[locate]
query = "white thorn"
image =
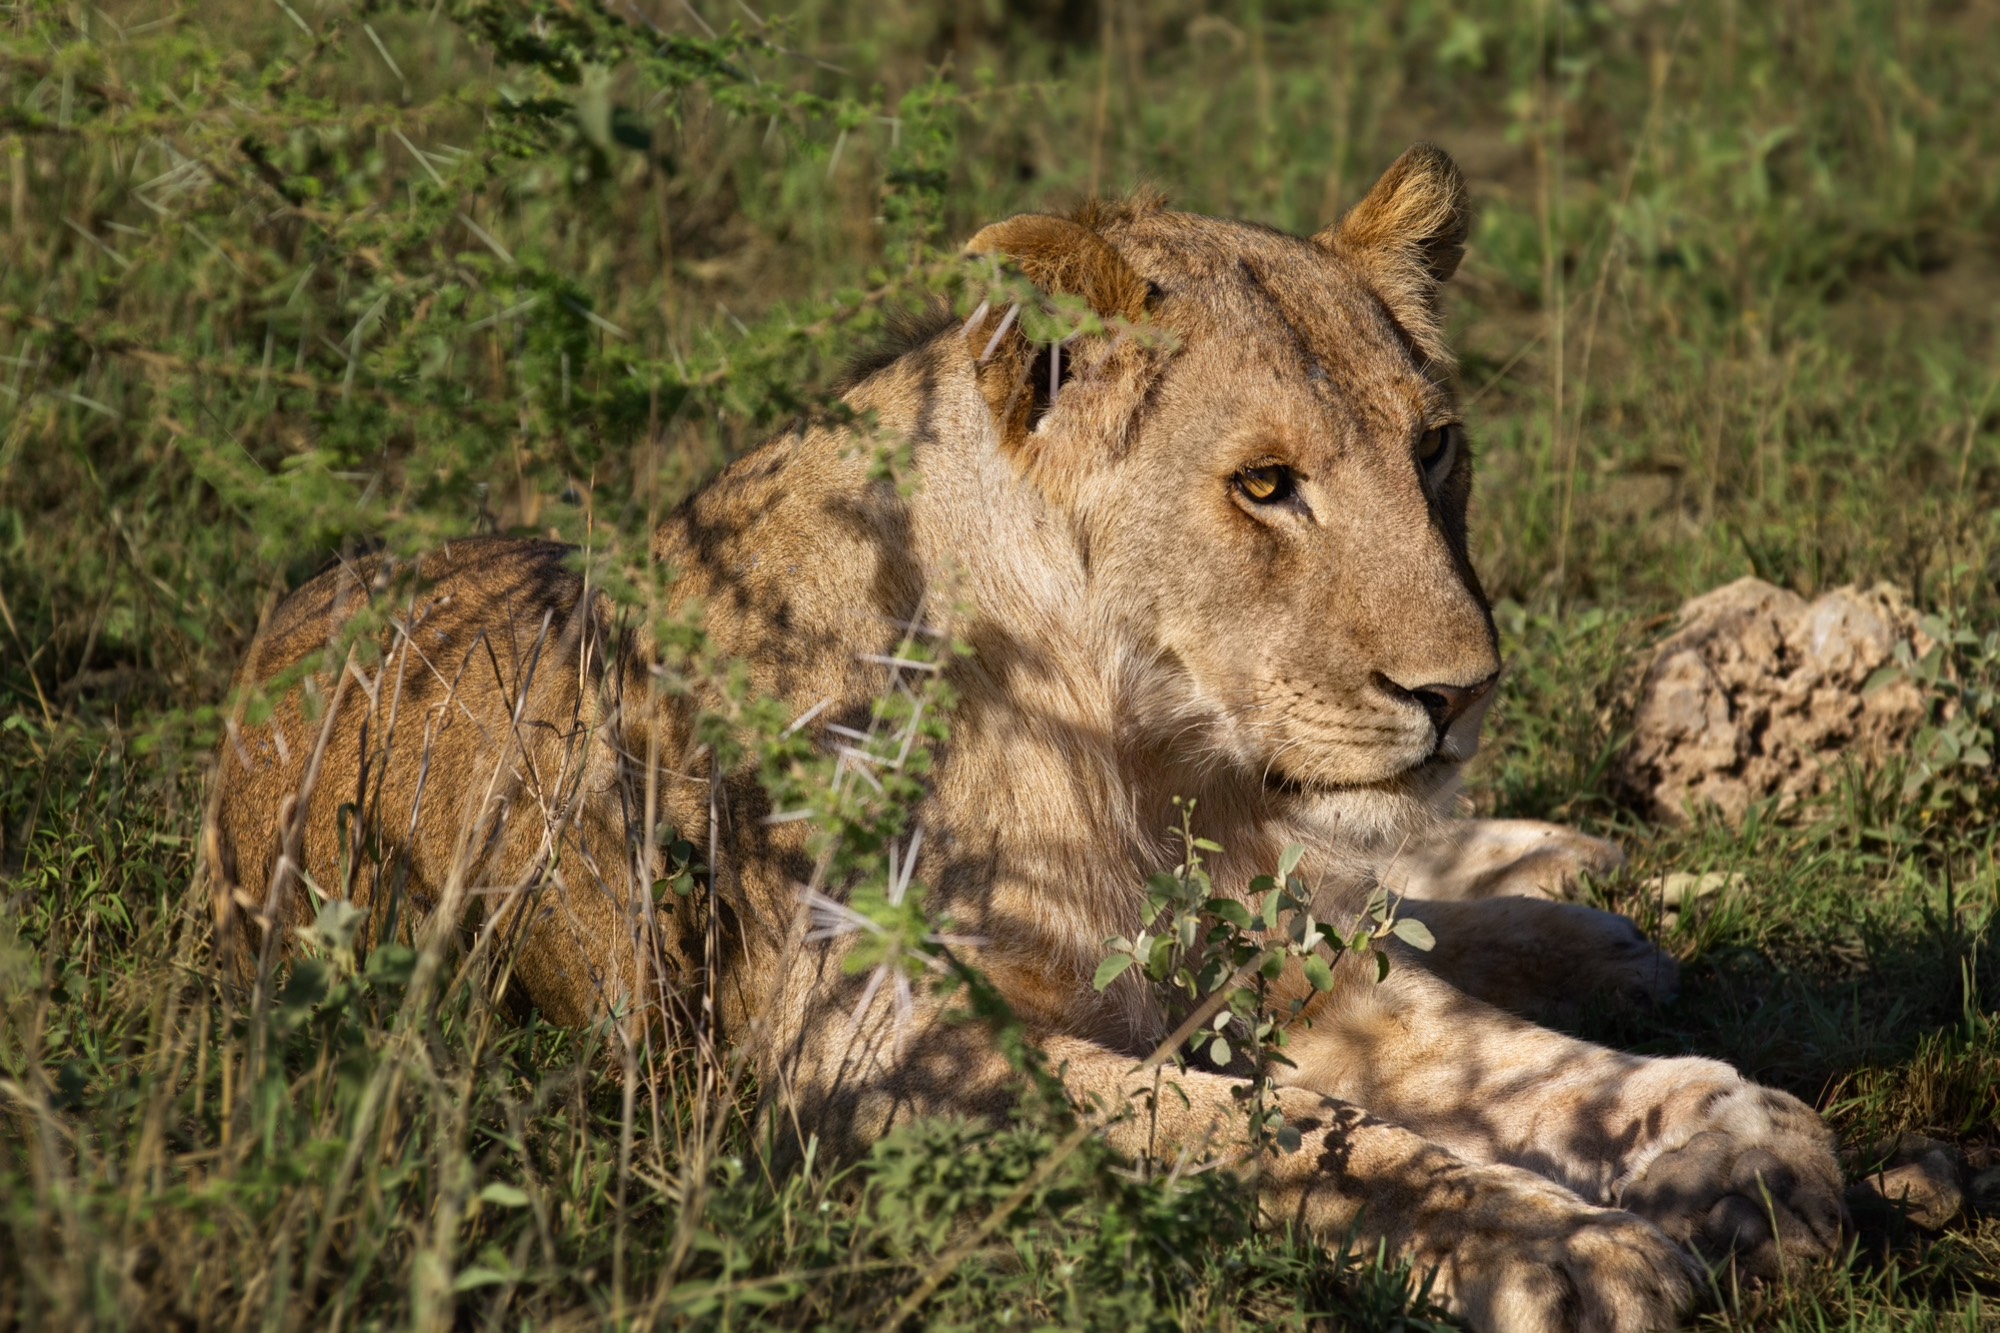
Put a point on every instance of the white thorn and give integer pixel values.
(1006, 323)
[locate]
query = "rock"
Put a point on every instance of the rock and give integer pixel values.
(1675, 891)
(1927, 1191)
(1758, 692)
(1984, 1192)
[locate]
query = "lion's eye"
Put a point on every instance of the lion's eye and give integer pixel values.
(1438, 450)
(1265, 485)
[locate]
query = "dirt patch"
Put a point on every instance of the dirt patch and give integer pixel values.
(1758, 693)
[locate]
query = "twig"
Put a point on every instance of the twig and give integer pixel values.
(27, 662)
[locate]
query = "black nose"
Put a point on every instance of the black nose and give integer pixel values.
(1445, 703)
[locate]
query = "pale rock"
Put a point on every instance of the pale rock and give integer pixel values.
(1758, 693)
(1927, 1190)
(1676, 890)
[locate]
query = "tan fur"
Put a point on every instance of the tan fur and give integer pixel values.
(1140, 631)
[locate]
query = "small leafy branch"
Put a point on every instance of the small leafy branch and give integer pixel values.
(402, 335)
(1222, 957)
(1951, 773)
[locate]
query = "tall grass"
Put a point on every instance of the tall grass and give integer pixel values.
(281, 278)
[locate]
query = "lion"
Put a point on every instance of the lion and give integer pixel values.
(1212, 547)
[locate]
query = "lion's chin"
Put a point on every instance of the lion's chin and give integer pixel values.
(1385, 807)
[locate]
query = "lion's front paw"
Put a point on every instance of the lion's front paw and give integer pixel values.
(1756, 1180)
(1616, 958)
(1536, 957)
(1530, 1256)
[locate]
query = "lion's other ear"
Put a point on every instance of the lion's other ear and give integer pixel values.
(1061, 257)
(1417, 215)
(1408, 234)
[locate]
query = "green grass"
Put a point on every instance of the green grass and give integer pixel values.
(274, 280)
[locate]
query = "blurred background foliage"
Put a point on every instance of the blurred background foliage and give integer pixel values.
(274, 281)
(282, 276)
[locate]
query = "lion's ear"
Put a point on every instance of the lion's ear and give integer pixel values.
(1408, 236)
(1061, 257)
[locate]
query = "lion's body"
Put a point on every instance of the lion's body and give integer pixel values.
(1309, 668)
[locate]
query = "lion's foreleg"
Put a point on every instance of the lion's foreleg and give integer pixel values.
(1533, 956)
(1508, 1249)
(1688, 1143)
(1467, 859)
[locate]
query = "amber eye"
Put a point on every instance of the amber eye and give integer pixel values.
(1438, 450)
(1268, 485)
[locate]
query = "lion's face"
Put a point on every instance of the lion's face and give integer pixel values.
(1275, 516)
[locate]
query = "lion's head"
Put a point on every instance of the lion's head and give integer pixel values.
(1269, 497)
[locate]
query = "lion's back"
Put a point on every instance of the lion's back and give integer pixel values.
(376, 720)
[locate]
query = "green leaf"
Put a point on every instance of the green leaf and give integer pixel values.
(1887, 674)
(1235, 913)
(478, 1276)
(338, 921)
(308, 985)
(1381, 967)
(1318, 973)
(1218, 1052)
(1111, 969)
(391, 964)
(1288, 860)
(505, 1195)
(1414, 933)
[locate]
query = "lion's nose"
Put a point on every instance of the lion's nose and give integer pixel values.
(1445, 703)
